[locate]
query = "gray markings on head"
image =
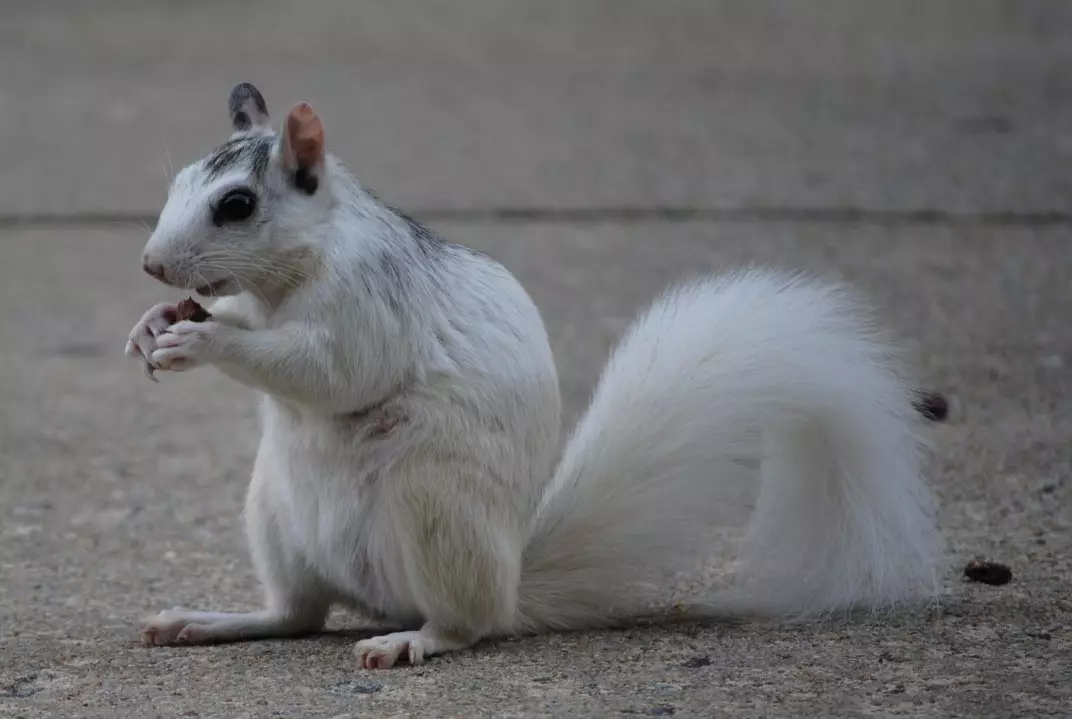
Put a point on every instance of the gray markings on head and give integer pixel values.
(251, 152)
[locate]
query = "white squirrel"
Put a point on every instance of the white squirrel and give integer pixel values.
(411, 419)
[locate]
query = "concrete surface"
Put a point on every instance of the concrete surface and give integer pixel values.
(119, 497)
(961, 105)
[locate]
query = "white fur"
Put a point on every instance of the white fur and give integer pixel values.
(409, 435)
(754, 365)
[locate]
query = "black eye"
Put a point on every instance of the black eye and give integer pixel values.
(235, 206)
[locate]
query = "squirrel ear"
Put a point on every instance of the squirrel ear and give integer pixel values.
(247, 108)
(303, 146)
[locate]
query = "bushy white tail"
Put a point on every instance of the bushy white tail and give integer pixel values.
(719, 376)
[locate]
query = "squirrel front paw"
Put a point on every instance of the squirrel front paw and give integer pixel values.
(142, 340)
(185, 345)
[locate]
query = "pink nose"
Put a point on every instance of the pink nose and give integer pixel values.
(154, 270)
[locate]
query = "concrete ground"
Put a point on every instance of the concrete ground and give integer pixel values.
(600, 150)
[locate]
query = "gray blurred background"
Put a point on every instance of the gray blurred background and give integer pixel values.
(599, 150)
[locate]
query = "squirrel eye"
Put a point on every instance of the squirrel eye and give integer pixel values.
(236, 205)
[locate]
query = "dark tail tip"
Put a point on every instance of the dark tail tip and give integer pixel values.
(932, 405)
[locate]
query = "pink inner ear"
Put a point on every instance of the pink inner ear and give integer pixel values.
(305, 135)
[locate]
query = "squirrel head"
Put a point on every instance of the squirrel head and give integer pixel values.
(236, 219)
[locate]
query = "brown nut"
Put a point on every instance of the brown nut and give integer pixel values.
(190, 310)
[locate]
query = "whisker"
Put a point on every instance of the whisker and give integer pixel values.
(252, 287)
(235, 265)
(170, 173)
(200, 278)
(139, 225)
(286, 274)
(283, 270)
(258, 292)
(247, 286)
(253, 258)
(268, 272)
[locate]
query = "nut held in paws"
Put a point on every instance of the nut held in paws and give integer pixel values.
(190, 310)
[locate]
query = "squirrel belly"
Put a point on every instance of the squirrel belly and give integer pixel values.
(447, 469)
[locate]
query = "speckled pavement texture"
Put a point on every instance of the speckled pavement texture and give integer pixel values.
(919, 151)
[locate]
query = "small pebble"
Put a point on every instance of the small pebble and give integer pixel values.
(991, 573)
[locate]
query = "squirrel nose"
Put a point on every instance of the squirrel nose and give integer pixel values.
(153, 269)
